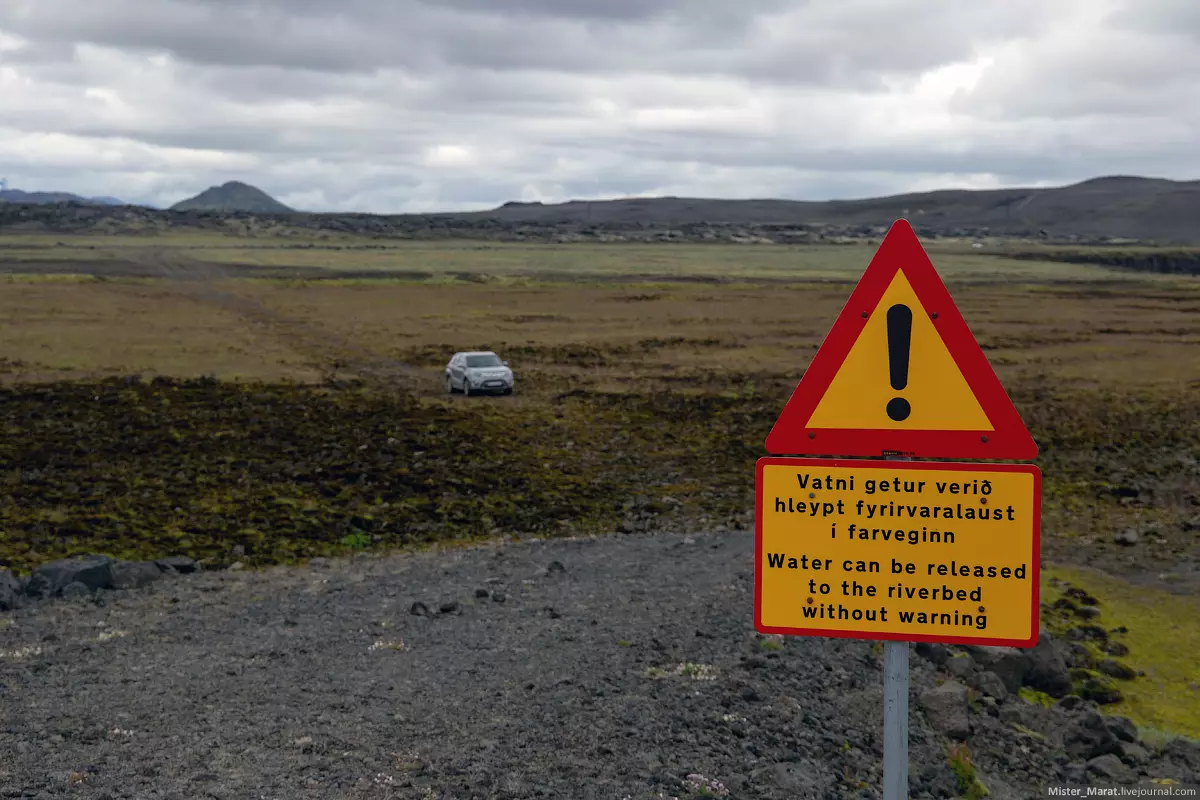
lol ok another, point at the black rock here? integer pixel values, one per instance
(933, 652)
(1081, 596)
(449, 607)
(1087, 633)
(1108, 767)
(134, 574)
(1089, 737)
(1074, 773)
(75, 590)
(181, 564)
(1122, 727)
(10, 590)
(990, 684)
(419, 609)
(946, 709)
(481, 593)
(1116, 669)
(1132, 753)
(938, 781)
(1077, 655)
(1070, 702)
(498, 597)
(1010, 664)
(960, 666)
(1100, 692)
(48, 580)
(1184, 751)
(1047, 670)
(1087, 612)
(555, 566)
(1116, 649)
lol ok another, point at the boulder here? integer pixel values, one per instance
(1047, 670)
(134, 574)
(1115, 669)
(991, 685)
(1010, 664)
(945, 707)
(1077, 655)
(76, 590)
(1122, 728)
(933, 652)
(1100, 691)
(1132, 754)
(48, 580)
(180, 564)
(10, 590)
(960, 665)
(1183, 751)
(1089, 737)
(1109, 768)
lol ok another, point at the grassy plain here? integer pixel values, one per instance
(648, 377)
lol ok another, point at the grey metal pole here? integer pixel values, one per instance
(895, 721)
(895, 713)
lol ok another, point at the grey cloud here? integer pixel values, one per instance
(797, 42)
(345, 99)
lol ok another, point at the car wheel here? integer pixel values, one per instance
(467, 387)
(449, 385)
(508, 390)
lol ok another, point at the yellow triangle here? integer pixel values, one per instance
(937, 393)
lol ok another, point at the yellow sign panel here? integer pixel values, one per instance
(910, 551)
(934, 393)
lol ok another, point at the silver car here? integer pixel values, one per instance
(476, 372)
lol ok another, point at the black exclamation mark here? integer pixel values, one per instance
(899, 330)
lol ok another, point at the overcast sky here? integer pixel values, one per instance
(418, 105)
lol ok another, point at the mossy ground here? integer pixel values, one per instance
(1162, 632)
(644, 396)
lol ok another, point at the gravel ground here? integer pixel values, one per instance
(541, 670)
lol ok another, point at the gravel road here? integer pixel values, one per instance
(543, 669)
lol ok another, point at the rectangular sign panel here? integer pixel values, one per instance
(909, 551)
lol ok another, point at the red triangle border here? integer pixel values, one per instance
(902, 250)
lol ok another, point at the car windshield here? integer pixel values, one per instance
(484, 361)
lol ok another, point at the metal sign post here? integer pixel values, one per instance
(895, 720)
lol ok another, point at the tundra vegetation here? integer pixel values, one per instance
(267, 400)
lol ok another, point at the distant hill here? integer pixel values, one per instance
(233, 196)
(1114, 207)
(43, 198)
(1117, 210)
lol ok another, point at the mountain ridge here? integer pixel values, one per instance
(1114, 208)
(42, 198)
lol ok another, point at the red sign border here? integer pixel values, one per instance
(1035, 558)
(902, 250)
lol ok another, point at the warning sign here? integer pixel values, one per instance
(901, 374)
(911, 551)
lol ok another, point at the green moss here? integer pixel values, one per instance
(1034, 696)
(1163, 636)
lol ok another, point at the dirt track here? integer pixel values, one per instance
(562, 682)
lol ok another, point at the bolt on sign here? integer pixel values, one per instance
(852, 545)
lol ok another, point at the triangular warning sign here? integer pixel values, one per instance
(900, 373)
